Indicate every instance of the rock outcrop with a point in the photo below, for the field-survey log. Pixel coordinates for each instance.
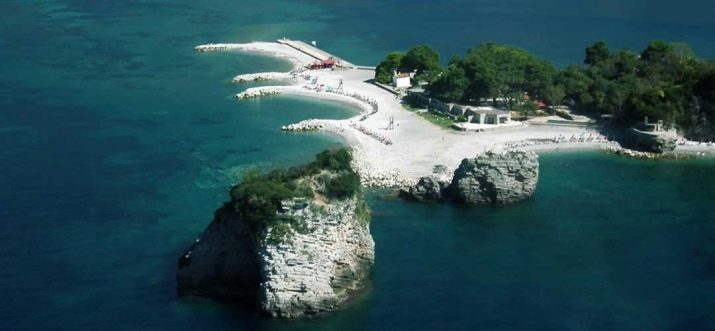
(427, 189)
(496, 178)
(222, 262)
(294, 242)
(488, 179)
(654, 142)
(314, 270)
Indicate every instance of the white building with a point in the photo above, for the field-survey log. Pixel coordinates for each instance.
(402, 80)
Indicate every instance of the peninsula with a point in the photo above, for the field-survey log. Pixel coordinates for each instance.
(393, 144)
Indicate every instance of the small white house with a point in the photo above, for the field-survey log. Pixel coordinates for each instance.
(402, 79)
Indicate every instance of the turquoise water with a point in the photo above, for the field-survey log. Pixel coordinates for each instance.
(118, 142)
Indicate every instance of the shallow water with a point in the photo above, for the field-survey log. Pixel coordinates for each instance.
(118, 142)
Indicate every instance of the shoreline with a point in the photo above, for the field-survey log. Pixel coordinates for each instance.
(398, 155)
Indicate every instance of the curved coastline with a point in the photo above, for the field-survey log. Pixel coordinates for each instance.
(398, 156)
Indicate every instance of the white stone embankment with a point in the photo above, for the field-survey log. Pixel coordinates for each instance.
(257, 92)
(262, 76)
(273, 49)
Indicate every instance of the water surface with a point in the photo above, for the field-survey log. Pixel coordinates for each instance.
(118, 142)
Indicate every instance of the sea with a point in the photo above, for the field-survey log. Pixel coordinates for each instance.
(118, 141)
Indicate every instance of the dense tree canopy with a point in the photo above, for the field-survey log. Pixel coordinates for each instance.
(665, 81)
(384, 70)
(660, 83)
(491, 71)
(452, 84)
(422, 59)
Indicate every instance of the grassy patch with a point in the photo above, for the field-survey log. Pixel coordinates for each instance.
(362, 212)
(439, 120)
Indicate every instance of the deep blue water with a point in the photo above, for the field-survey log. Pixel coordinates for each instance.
(117, 142)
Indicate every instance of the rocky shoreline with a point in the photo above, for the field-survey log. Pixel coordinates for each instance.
(650, 155)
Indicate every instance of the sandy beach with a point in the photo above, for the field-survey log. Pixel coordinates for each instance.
(413, 147)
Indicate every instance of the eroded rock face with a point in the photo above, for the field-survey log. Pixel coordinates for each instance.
(427, 189)
(314, 269)
(222, 262)
(496, 178)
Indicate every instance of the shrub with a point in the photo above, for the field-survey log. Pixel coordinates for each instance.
(335, 160)
(344, 185)
(257, 200)
(362, 212)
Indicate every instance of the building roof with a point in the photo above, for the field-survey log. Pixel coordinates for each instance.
(484, 110)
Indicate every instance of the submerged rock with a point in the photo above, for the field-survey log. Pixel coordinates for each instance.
(496, 178)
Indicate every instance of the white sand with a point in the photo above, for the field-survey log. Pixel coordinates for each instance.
(417, 144)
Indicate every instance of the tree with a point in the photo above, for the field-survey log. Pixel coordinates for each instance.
(386, 68)
(625, 62)
(597, 53)
(422, 59)
(452, 85)
(554, 94)
(504, 71)
(527, 108)
(575, 82)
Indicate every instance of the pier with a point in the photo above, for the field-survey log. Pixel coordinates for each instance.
(313, 52)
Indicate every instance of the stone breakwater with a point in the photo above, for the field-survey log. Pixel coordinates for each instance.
(262, 76)
(312, 125)
(257, 92)
(314, 270)
(488, 179)
(217, 47)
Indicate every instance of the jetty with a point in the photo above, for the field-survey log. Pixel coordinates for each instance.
(314, 52)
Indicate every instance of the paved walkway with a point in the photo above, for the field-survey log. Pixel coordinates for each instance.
(314, 52)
